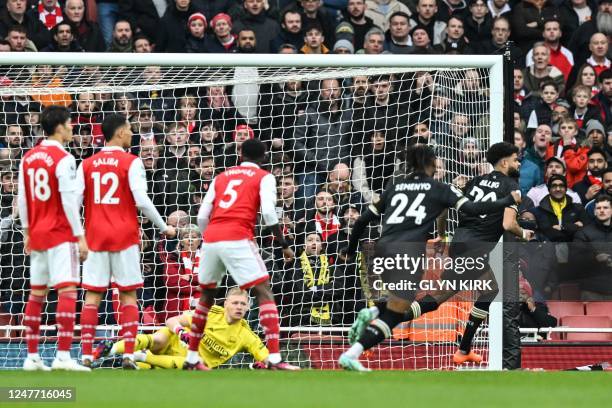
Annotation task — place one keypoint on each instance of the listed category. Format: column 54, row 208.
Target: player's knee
column 128, row 297
column 263, row 291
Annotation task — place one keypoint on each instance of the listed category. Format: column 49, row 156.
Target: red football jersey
column 40, row 170
column 111, row 217
column 237, row 201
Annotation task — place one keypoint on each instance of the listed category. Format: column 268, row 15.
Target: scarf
column 560, row 147
column 558, row 207
column 191, row 267
column 326, row 229
column 594, row 180
column 50, row 18
column 318, row 314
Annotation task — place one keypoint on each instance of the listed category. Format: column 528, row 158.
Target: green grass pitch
column 320, row 389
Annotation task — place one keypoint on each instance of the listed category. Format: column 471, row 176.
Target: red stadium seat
column 587, row 321
column 560, row 309
column 599, row 309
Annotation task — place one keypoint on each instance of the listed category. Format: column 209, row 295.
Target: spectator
column 145, row 127
column 293, row 208
column 534, row 313
column 142, row 44
column 397, row 39
column 63, row 40
column 14, row 14
column 499, row 8
column 453, row 8
column 81, row 146
column 219, row 109
column 374, row 42
column 197, row 28
column 18, row 40
column 175, row 152
column 49, row 13
column 520, row 92
column 313, row 41
column 87, row 113
column 573, row 153
column 358, row 100
column 5, row 46
column 186, row 112
column 497, row 44
column 593, row 243
column 455, row 41
column 603, row 100
column 528, row 19
column 108, row 16
column 87, row 33
column 313, row 13
column 605, row 190
column 291, row 30
column 14, row 264
column 588, row 186
column 557, row 216
column 233, row 151
column 322, row 215
column 175, row 22
column 339, row 185
column 581, row 38
column 279, row 112
column 588, row 77
column 554, row 165
column 426, row 13
column 541, row 69
column 541, row 106
column 343, row 47
column 379, row 11
column 583, row 111
column 321, row 137
column 181, row 269
column 536, row 154
column 356, row 15
column 255, row 18
column 560, row 57
column 599, row 46
column 421, row 41
column 223, row 39
column 122, row 37
column 209, row 139
column 573, row 14
column 387, row 111
column 145, row 16
column 519, row 141
column 596, row 135
column 479, row 23
column 149, row 154
column 374, row 167
column 203, row 173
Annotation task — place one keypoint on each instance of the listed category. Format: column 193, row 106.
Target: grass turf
column 381, row 389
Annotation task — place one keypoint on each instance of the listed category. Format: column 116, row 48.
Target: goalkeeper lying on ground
column 227, row 333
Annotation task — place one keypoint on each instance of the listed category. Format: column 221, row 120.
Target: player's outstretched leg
column 64, row 317
column 378, row 330
column 363, row 319
column 31, row 321
column 129, row 327
column 269, row 320
column 479, row 313
column 198, row 324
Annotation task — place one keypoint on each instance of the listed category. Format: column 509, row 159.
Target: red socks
column 198, row 323
column 89, row 321
column 31, row 321
column 64, row 318
column 129, row 326
column 268, row 318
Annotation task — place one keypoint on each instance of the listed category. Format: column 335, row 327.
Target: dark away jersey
column 411, row 205
column 488, row 228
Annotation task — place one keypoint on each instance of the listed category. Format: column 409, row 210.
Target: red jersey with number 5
column 111, row 217
column 41, row 169
column 236, row 203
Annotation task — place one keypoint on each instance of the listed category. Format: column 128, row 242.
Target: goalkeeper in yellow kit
column 227, row 333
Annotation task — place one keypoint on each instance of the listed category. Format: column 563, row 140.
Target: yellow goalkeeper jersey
column 222, row 341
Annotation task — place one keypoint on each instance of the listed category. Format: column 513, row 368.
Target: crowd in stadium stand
column 333, row 143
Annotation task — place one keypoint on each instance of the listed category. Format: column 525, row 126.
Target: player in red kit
column 112, row 185
column 53, row 236
column 227, row 219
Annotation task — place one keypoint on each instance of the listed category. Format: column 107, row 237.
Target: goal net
column 336, row 128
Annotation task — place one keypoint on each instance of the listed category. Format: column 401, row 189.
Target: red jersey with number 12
column 236, row 204
column 111, row 217
column 48, row 225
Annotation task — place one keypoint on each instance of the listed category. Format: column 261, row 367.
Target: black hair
column 56, row 27
column 400, row 14
column 419, row 157
column 603, row 197
column 607, row 74
column 111, row 124
column 596, row 150
column 253, row 150
column 52, row 117
column 556, row 177
column 500, row 151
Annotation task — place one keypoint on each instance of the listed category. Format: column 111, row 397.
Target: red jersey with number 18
column 111, row 217
column 236, row 203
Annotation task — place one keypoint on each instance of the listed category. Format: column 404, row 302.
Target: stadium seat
column 587, row 321
column 560, row 309
column 599, row 309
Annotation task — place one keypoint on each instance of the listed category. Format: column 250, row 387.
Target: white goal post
column 122, row 75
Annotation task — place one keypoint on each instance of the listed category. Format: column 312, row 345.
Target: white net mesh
column 335, row 137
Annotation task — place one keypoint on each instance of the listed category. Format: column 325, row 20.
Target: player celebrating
column 113, row 185
column 410, row 204
column 53, row 236
column 227, row 333
column 227, row 220
column 474, row 238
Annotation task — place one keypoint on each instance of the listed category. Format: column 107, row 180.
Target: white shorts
column 240, row 258
column 123, row 266
column 55, row 267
